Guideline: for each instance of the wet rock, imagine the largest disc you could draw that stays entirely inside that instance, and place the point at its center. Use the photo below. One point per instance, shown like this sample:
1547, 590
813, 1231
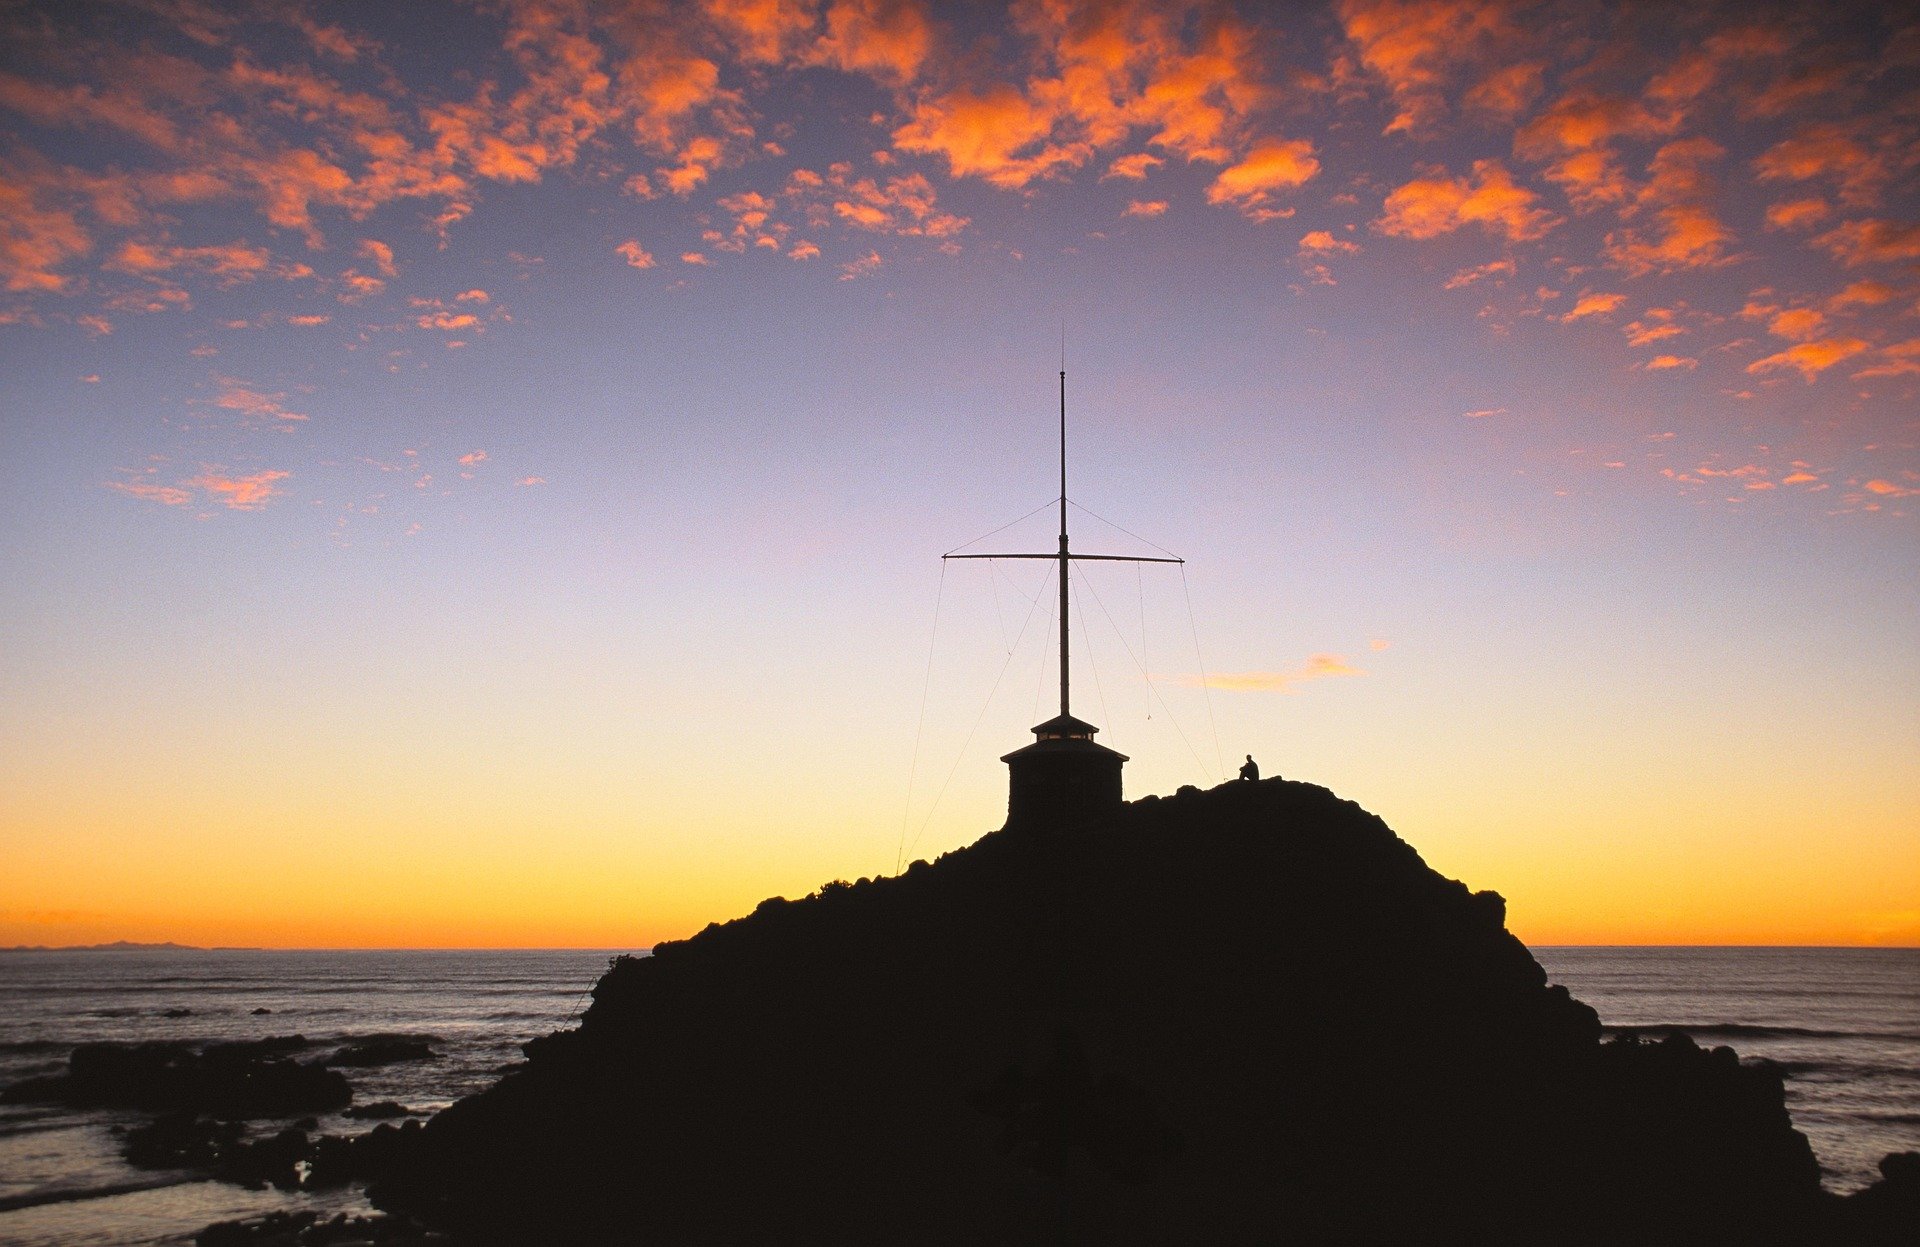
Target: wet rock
307, 1229
384, 1109
238, 1080
1887, 1214
338, 1160
179, 1141
384, 1050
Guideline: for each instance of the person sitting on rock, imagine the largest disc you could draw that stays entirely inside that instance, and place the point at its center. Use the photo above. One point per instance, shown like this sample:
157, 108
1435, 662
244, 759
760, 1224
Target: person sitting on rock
1251, 770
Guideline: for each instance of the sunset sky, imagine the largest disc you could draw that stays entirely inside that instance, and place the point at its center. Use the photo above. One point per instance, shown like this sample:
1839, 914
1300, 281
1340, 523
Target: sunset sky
475, 474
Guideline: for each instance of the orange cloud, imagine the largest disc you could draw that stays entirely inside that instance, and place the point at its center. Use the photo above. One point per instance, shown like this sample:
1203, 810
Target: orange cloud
903, 205
1321, 242
886, 39
993, 132
1863, 294
472, 457
1134, 166
1655, 325
1140, 207
1661, 362
1871, 241
855, 269
692, 257
1575, 136
241, 493
165, 495
1317, 667
636, 255
36, 237
448, 321
1898, 359
1826, 150
1467, 276
1800, 324
1271, 166
1678, 194
803, 250
1101, 74
1594, 305
1811, 358
1437, 204
1507, 91
231, 263
531, 480
308, 322
1797, 213
472, 296
381, 255
1485, 412
762, 30
1416, 47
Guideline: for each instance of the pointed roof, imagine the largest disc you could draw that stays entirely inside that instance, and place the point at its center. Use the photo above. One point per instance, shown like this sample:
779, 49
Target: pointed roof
1064, 725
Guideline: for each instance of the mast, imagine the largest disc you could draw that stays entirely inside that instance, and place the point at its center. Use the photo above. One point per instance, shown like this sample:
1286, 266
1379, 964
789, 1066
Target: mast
1065, 558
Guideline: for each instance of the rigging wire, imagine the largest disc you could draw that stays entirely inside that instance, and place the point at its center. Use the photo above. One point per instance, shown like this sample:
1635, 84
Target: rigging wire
1171, 717
1140, 581
926, 687
999, 620
1040, 689
1205, 685
1106, 716
1110, 524
978, 719
1010, 523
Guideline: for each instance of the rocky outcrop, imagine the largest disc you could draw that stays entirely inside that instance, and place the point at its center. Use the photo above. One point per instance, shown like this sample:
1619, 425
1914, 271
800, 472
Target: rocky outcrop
225, 1080
385, 1050
1246, 1015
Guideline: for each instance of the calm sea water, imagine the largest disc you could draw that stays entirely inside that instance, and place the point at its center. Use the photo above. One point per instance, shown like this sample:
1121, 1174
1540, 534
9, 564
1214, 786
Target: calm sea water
1845, 1023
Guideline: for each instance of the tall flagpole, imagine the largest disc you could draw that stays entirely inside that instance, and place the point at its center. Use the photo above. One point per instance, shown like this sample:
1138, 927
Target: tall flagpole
1064, 556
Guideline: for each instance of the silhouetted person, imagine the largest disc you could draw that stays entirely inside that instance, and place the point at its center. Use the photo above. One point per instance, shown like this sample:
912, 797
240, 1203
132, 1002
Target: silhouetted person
1251, 770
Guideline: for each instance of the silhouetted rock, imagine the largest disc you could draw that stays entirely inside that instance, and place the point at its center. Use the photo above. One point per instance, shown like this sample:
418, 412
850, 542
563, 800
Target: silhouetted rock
384, 1109
1245, 1015
231, 1080
260, 1011
384, 1050
1887, 1214
307, 1229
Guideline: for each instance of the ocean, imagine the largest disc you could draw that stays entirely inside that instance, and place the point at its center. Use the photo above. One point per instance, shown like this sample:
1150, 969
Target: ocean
1843, 1023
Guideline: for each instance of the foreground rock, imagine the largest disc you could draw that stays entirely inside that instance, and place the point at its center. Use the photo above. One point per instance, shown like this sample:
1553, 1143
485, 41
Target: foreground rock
226, 1080
307, 1229
385, 1050
1247, 1015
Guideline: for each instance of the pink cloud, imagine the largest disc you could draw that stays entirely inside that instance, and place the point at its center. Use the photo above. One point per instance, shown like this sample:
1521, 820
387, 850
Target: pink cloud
241, 493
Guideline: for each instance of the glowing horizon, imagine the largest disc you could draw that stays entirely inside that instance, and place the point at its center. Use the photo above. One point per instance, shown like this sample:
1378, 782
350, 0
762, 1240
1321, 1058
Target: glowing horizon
474, 475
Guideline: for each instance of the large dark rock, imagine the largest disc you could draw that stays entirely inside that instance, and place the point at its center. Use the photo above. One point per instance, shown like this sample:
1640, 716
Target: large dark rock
1246, 1015
385, 1050
229, 1080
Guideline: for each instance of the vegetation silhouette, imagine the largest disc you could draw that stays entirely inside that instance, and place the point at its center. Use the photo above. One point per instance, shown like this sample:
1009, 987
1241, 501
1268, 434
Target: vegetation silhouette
1244, 1015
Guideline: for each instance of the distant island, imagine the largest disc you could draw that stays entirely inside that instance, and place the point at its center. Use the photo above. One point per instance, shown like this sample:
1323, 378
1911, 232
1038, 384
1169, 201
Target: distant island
117, 946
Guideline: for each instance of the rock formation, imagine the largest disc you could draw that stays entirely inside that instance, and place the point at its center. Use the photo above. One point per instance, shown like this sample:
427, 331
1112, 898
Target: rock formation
1245, 1015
